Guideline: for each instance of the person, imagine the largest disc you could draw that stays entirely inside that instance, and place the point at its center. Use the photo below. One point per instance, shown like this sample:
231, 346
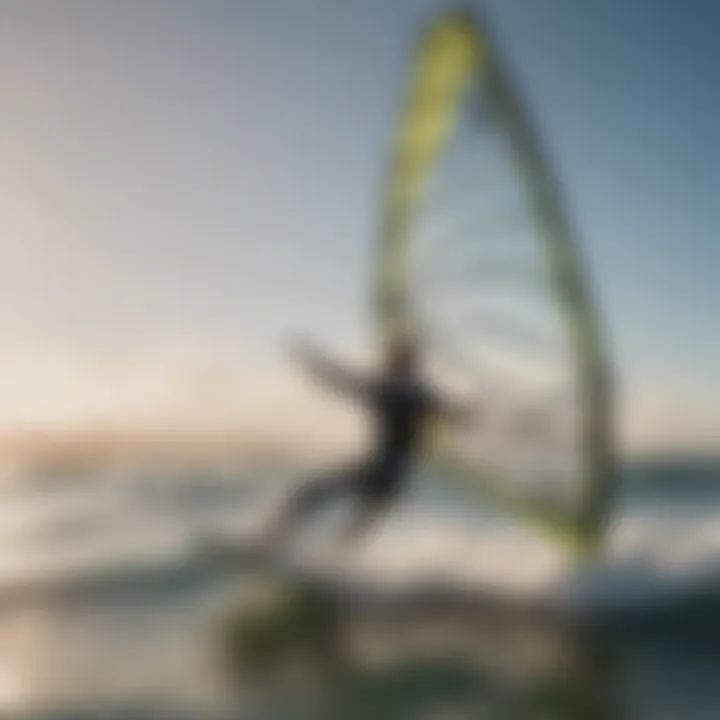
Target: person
401, 405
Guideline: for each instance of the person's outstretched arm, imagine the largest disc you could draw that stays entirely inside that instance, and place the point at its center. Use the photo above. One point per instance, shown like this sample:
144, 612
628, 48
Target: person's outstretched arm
460, 413
330, 373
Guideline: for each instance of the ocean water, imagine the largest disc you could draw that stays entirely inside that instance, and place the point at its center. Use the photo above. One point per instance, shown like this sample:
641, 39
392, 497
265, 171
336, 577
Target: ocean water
108, 610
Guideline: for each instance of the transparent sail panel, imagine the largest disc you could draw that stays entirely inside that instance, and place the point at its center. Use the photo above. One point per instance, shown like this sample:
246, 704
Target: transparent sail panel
496, 333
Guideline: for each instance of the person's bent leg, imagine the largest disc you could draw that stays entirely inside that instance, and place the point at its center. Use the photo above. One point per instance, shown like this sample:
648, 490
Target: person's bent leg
310, 497
371, 508
377, 488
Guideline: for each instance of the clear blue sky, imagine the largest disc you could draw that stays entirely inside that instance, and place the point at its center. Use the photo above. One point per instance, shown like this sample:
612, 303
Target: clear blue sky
179, 172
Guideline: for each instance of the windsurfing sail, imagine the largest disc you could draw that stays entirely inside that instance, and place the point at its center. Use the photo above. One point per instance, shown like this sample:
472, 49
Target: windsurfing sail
477, 257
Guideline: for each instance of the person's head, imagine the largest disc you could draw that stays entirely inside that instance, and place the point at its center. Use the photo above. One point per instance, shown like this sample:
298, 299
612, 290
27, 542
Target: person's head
403, 355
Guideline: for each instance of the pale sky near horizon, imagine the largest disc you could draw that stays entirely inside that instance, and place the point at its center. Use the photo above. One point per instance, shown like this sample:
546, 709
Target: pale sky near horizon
183, 183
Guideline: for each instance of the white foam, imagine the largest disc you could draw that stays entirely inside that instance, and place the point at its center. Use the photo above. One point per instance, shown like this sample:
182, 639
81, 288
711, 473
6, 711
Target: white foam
100, 526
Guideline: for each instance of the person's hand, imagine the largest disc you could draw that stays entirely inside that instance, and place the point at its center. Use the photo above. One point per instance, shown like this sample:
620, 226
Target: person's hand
465, 413
301, 348
471, 413
306, 354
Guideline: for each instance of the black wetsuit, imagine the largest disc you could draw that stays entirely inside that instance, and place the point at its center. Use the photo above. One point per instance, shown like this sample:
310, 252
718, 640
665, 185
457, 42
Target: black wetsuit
400, 406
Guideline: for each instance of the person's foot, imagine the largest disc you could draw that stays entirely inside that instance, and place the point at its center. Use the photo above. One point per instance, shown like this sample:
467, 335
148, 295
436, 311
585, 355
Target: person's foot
212, 544
274, 533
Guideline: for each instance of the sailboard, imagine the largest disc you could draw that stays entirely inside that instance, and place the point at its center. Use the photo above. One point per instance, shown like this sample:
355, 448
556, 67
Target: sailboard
477, 259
